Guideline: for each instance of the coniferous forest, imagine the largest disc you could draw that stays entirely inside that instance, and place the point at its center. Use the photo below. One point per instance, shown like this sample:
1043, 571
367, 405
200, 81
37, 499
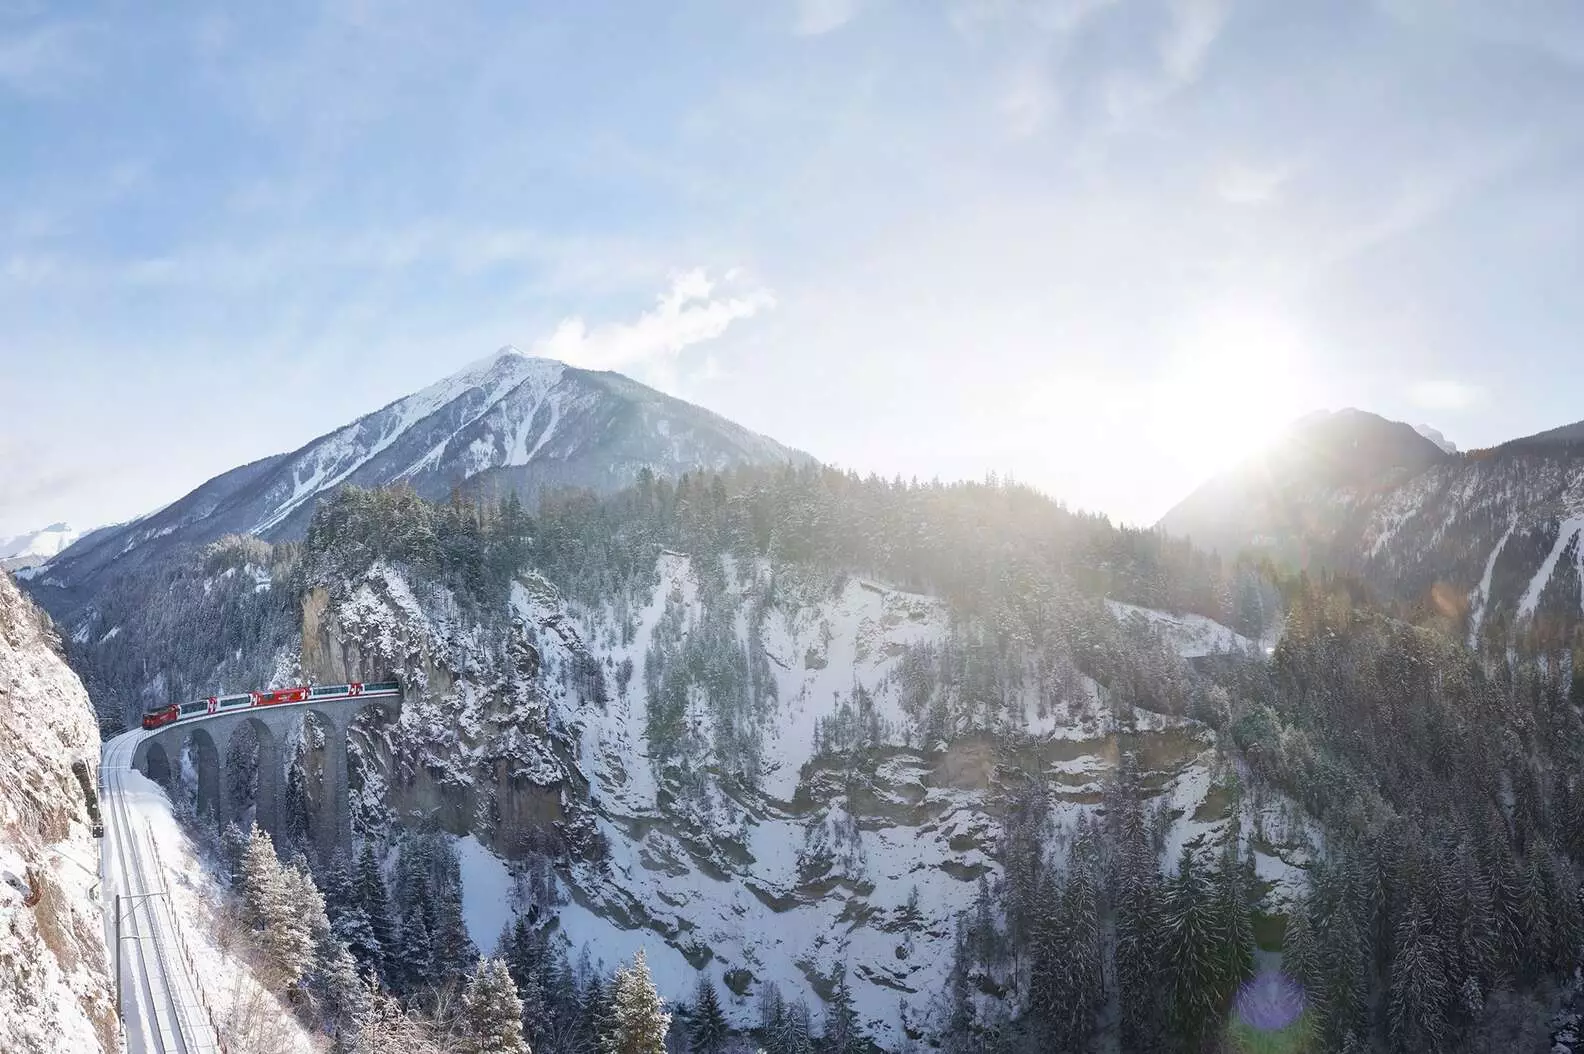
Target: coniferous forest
1440, 911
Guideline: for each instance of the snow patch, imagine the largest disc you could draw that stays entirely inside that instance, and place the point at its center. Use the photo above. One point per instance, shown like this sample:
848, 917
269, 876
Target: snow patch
486, 893
1566, 533
1190, 635
1482, 595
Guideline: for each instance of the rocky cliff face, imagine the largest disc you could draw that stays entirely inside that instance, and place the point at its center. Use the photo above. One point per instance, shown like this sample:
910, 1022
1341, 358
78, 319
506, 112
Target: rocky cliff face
55, 990
736, 772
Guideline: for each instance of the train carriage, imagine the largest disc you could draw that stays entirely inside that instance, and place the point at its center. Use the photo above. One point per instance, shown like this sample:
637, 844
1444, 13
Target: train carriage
301, 693
298, 694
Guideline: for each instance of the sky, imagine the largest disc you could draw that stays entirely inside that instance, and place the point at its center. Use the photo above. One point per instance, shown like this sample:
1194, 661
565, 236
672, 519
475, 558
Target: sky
1105, 247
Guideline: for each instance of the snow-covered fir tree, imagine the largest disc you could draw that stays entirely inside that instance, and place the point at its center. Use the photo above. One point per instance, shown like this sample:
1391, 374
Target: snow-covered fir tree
492, 1012
707, 1024
639, 1020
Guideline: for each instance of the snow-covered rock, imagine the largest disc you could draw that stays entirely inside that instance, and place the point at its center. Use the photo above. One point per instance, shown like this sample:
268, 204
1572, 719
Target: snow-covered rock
1435, 436
55, 992
732, 844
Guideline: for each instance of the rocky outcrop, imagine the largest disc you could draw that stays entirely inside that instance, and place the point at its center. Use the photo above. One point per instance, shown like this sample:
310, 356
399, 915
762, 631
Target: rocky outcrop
472, 751
788, 816
55, 992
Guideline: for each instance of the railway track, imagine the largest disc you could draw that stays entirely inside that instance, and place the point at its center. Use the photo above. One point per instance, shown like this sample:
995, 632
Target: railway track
160, 1011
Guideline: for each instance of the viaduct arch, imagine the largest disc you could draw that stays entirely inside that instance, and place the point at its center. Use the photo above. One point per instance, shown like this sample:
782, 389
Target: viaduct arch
210, 736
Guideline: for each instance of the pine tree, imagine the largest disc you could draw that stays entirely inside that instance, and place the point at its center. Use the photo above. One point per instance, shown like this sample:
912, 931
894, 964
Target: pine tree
638, 1016
796, 1035
1567, 916
1194, 954
597, 1023
233, 846
1419, 989
454, 951
412, 967
349, 920
707, 1031
1507, 902
338, 889
1065, 976
292, 938
1139, 936
284, 908
260, 880
371, 895
1535, 915
341, 995
1234, 921
492, 1011
524, 954
1467, 901
1343, 973
842, 1034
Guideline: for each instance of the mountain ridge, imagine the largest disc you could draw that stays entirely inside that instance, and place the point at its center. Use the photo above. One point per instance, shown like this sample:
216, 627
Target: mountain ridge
504, 423
1482, 544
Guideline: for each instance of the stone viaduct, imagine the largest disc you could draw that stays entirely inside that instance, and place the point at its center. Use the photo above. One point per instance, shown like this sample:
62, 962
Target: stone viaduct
209, 737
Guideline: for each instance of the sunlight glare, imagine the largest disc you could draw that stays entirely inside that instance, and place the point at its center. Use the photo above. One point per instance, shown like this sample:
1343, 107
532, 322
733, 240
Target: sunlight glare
1238, 376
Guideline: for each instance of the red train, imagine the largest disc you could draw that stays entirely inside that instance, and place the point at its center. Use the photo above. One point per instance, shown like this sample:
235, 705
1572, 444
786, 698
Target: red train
302, 693
175, 712
164, 716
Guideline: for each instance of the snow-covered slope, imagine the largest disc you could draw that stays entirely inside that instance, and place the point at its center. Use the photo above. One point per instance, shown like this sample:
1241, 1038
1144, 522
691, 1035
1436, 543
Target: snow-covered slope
732, 843
507, 423
36, 547
1486, 543
54, 978
1191, 636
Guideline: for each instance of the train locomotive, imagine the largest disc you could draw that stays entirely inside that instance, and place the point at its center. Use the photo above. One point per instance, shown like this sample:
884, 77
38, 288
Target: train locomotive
302, 693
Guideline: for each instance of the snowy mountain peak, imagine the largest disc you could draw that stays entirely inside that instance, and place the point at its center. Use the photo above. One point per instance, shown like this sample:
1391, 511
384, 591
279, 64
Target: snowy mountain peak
1435, 436
36, 547
1254, 503
506, 423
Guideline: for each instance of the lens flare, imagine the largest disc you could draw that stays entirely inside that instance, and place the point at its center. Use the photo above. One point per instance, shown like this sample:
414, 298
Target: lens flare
1270, 1002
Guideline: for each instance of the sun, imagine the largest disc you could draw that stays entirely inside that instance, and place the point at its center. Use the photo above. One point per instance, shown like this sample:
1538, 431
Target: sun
1237, 375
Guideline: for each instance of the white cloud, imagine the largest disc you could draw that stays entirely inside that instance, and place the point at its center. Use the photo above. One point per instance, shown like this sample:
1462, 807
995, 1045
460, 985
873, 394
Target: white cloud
1195, 25
1555, 30
1243, 184
1031, 94
1183, 47
1441, 394
47, 60
815, 17
1425, 194
688, 313
1054, 17
1029, 100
